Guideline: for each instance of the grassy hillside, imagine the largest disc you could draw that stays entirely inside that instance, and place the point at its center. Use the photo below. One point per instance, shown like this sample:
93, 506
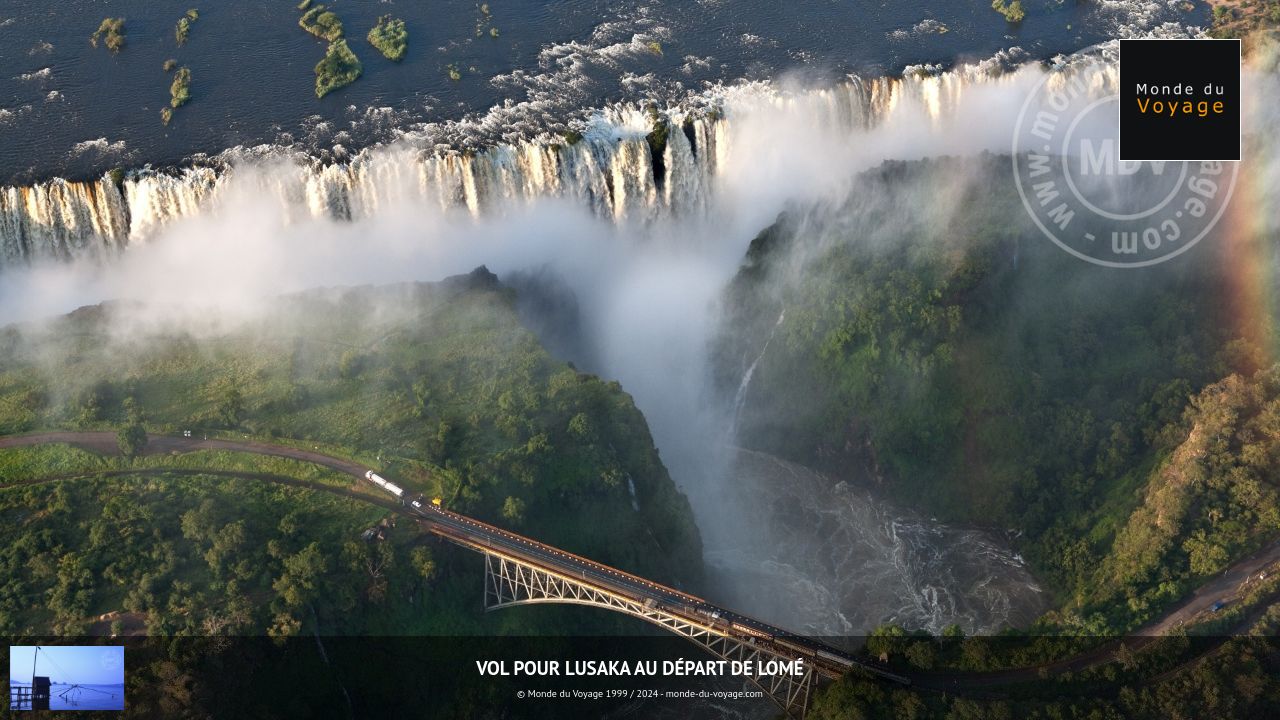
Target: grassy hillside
438, 386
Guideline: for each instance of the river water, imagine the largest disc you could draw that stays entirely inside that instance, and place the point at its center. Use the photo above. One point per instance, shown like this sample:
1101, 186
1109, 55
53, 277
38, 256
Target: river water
643, 241
839, 561
550, 63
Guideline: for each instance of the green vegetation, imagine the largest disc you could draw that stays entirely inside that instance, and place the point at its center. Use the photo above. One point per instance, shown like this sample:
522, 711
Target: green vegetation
1247, 19
304, 4
1213, 498
339, 67
180, 88
322, 23
657, 137
1121, 424
132, 439
454, 74
390, 37
438, 386
170, 64
183, 28
111, 32
1012, 11
183, 556
1126, 425
166, 115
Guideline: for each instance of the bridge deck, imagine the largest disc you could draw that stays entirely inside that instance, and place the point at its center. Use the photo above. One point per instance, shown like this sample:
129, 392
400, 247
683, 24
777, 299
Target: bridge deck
482, 537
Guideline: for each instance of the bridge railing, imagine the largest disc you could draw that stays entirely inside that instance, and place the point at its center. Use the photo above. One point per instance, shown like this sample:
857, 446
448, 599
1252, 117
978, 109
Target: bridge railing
20, 698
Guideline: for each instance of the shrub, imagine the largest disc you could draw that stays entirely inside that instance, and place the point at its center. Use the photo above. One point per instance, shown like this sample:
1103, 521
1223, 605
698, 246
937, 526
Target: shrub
390, 37
132, 439
111, 32
321, 23
339, 68
180, 90
183, 28
1012, 12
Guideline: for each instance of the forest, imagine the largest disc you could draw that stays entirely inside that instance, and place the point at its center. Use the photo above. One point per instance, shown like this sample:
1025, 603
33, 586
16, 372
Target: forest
437, 386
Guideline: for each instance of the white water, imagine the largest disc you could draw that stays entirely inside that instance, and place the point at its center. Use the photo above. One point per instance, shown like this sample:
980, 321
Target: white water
740, 398
840, 562
646, 253
611, 171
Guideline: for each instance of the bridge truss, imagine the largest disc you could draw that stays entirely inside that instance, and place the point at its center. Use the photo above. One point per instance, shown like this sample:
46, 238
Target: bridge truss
510, 581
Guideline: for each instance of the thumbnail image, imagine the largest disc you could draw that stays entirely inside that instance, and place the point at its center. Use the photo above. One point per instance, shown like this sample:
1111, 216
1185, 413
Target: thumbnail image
66, 677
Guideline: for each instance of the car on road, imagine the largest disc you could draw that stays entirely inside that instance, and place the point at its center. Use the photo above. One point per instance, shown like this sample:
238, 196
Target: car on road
1218, 605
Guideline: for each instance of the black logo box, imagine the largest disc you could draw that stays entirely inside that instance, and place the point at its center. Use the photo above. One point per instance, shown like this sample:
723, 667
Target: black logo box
1181, 64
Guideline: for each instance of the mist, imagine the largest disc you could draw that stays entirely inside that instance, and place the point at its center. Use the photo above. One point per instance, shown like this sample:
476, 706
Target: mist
646, 286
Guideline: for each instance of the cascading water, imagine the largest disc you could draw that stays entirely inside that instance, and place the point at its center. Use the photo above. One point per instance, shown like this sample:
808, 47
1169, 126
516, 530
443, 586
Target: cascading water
740, 398
610, 170
648, 258
613, 169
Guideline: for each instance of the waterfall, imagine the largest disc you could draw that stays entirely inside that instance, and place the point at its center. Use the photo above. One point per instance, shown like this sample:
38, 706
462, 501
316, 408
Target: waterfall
740, 398
610, 167
62, 220
631, 488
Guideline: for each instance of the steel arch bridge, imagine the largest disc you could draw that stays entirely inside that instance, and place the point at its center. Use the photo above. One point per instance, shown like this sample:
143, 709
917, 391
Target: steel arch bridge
510, 582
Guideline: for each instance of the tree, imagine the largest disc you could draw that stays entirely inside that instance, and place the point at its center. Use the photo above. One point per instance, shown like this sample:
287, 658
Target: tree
231, 407
299, 583
886, 641
349, 365
132, 439
513, 510
423, 563
922, 654
580, 426
94, 403
227, 544
1206, 556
